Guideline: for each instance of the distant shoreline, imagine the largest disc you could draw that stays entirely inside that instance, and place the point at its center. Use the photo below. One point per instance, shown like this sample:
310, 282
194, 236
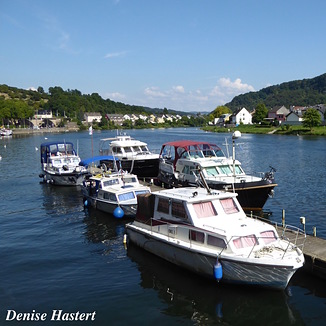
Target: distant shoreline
28, 131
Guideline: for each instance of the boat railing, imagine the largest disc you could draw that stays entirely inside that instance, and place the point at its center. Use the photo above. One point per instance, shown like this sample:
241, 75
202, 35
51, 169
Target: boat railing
287, 232
257, 246
188, 234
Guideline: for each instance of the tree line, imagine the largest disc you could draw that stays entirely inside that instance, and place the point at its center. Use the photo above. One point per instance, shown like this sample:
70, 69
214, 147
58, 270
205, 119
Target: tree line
20, 104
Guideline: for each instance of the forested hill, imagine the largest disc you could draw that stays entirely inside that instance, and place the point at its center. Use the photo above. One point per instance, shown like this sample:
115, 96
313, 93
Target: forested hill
303, 92
70, 103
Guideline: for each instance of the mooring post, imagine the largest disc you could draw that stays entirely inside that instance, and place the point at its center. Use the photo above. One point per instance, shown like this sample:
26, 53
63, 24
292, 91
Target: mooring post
283, 217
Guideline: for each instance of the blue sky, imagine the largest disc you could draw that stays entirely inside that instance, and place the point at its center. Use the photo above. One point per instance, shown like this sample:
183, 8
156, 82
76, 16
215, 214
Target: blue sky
189, 55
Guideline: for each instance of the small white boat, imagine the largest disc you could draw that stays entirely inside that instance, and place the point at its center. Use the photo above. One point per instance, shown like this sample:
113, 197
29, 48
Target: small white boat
134, 155
113, 192
5, 132
207, 232
60, 164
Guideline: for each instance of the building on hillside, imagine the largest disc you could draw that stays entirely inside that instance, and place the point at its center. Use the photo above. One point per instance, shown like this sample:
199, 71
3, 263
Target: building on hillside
278, 113
117, 119
43, 114
241, 116
91, 117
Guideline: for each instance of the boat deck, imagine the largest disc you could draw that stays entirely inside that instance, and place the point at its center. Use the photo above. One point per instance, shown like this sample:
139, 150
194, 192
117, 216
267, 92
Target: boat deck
314, 248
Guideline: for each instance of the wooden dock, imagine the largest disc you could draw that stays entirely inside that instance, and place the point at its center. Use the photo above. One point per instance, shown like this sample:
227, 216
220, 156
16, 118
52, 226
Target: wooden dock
315, 256
314, 248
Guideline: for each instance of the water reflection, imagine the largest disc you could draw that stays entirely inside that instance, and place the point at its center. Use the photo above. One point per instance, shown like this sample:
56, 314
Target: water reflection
205, 303
60, 201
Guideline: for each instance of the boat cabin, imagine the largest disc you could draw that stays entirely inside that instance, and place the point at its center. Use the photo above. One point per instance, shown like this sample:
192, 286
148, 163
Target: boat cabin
116, 188
215, 219
171, 152
123, 146
55, 149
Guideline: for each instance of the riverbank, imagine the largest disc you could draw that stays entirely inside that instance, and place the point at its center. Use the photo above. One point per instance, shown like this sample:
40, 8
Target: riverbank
29, 131
280, 130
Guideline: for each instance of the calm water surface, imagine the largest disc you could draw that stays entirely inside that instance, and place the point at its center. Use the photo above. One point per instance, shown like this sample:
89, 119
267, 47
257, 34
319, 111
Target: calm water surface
56, 255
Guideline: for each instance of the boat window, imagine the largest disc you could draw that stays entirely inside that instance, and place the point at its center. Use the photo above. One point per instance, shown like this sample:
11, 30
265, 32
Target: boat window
211, 171
186, 169
268, 236
196, 154
144, 149
128, 149
129, 180
219, 153
185, 155
163, 205
238, 170
116, 150
136, 149
110, 182
204, 209
229, 205
140, 192
178, 209
196, 236
53, 148
244, 242
216, 242
225, 169
126, 196
109, 196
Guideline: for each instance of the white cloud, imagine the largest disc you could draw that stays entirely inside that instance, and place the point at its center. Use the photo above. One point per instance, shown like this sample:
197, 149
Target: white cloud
154, 92
178, 98
178, 89
115, 54
115, 96
226, 86
226, 90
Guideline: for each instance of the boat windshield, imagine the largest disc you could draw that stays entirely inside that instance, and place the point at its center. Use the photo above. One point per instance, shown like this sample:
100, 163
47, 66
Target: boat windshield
116, 150
268, 236
126, 196
246, 241
136, 149
111, 182
204, 209
144, 149
229, 205
211, 171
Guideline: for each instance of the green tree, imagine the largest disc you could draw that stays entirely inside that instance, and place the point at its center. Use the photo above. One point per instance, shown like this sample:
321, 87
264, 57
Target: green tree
261, 112
219, 111
311, 118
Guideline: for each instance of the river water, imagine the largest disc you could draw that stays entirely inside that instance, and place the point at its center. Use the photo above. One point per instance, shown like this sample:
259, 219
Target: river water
58, 256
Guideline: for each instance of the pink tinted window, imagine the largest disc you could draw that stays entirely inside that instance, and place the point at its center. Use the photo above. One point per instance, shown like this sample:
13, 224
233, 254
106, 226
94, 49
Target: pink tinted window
229, 206
244, 242
268, 236
204, 209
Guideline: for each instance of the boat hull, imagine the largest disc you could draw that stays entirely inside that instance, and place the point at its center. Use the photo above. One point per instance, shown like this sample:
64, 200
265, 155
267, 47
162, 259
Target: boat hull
109, 207
68, 179
143, 168
252, 196
199, 262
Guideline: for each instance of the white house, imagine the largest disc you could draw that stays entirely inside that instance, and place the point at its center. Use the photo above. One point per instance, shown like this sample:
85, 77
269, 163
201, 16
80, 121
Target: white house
241, 116
90, 117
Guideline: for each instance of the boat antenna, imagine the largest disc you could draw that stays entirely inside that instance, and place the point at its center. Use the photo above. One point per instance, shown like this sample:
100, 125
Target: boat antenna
227, 147
236, 135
